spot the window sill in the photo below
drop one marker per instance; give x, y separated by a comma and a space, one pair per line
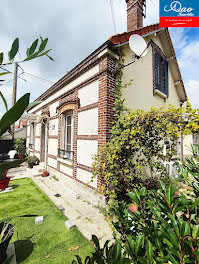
65, 161
161, 94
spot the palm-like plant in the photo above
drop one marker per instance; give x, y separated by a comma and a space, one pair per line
189, 170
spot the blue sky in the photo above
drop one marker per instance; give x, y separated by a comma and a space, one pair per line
75, 29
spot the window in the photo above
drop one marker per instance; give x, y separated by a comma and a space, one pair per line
161, 74
67, 136
32, 133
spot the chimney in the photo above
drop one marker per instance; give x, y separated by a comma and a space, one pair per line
135, 13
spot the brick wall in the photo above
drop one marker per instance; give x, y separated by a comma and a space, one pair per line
106, 101
134, 14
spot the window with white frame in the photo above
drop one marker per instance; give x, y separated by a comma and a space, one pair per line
66, 150
32, 133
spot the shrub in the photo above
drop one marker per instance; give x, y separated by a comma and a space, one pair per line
161, 227
20, 146
135, 151
33, 160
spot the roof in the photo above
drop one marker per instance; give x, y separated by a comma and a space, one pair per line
111, 43
124, 37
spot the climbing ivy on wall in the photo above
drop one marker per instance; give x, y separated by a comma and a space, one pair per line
135, 151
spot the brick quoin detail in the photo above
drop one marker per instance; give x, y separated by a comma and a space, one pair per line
106, 101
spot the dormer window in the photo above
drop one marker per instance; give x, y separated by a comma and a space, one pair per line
161, 74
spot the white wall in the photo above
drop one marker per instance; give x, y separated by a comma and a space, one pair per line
66, 169
53, 108
68, 87
139, 95
53, 127
88, 122
187, 141
28, 130
85, 151
37, 155
52, 146
38, 130
86, 176
89, 94
37, 144
52, 162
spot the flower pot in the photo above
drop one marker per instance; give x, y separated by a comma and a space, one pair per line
21, 156
4, 245
4, 184
45, 173
30, 165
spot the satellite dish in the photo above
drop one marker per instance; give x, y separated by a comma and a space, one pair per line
138, 45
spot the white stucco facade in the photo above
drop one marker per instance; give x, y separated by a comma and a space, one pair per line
88, 122
85, 150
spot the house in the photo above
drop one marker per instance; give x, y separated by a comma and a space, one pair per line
75, 117
20, 131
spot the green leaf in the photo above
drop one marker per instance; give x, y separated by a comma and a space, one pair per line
167, 242
96, 241
138, 243
162, 185
143, 192
195, 231
14, 113
27, 52
49, 57
187, 229
4, 73
1, 57
44, 53
33, 56
117, 250
169, 194
149, 250
43, 45
196, 203
32, 47
78, 259
133, 197
4, 101
11, 164
14, 49
175, 224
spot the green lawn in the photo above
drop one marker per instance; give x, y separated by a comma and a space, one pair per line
47, 242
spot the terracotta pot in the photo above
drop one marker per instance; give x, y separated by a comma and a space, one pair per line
4, 184
45, 173
21, 156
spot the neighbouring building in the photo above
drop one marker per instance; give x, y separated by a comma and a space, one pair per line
75, 117
20, 131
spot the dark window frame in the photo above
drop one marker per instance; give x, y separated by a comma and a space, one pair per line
160, 71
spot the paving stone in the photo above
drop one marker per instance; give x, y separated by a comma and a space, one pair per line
69, 224
9, 189
39, 219
60, 207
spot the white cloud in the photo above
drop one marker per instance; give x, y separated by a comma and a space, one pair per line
192, 88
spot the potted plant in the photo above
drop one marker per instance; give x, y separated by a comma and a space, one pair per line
5, 237
45, 173
33, 160
6, 233
4, 180
20, 147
